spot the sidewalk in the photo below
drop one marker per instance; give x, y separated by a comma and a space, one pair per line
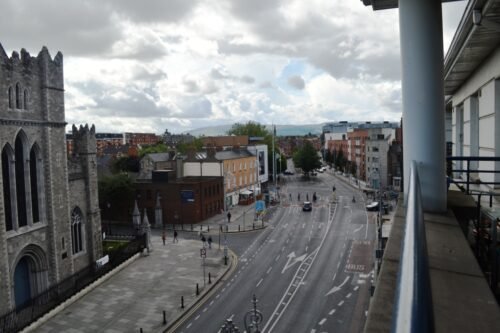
136, 296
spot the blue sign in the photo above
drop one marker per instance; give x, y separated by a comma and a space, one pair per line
260, 205
187, 196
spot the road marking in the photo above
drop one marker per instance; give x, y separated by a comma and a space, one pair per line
218, 295
211, 303
197, 317
258, 283
356, 288
307, 248
223, 290
292, 257
340, 303
322, 321
335, 289
189, 325
205, 309
331, 312
313, 331
303, 225
348, 295
358, 229
269, 269
278, 257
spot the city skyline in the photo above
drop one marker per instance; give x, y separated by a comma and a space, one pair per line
182, 65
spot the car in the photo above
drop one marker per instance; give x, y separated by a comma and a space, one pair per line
322, 169
372, 207
313, 173
288, 172
307, 206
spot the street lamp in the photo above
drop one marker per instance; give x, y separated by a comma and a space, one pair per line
109, 215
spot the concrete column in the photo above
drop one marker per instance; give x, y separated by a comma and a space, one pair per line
423, 98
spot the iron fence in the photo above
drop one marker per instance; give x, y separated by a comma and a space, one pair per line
26, 313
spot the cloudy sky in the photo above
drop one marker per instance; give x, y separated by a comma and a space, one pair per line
153, 65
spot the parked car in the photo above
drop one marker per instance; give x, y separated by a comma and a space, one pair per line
372, 207
287, 172
307, 206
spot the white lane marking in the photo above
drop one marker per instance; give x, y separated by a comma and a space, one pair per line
292, 257
278, 257
211, 303
258, 283
341, 302
217, 296
269, 269
335, 289
348, 295
356, 288
205, 309
331, 312
197, 317
358, 229
307, 247
322, 321
223, 289
189, 325
313, 331
303, 225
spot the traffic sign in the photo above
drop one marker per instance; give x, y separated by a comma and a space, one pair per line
203, 253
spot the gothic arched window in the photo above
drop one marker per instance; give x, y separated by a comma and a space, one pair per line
25, 96
34, 166
10, 98
7, 200
77, 230
20, 182
18, 96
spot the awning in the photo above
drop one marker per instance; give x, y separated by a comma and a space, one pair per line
246, 192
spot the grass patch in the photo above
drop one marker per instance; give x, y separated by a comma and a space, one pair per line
110, 246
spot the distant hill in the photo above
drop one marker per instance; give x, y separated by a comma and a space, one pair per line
281, 130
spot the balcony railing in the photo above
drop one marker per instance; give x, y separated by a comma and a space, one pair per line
413, 299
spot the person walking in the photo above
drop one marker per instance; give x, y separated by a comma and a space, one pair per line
163, 237
203, 240
228, 217
175, 237
209, 242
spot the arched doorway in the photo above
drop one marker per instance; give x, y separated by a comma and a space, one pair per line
30, 275
22, 284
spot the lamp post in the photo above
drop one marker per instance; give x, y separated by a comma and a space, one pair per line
108, 228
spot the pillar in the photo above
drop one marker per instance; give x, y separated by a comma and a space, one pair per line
421, 35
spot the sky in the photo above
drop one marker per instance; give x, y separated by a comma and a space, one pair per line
178, 65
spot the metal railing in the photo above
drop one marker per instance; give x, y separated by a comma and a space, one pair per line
465, 184
413, 301
25, 314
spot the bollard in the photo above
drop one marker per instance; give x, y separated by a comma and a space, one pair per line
209, 278
238, 228
225, 260
227, 228
164, 317
140, 330
253, 226
201, 228
208, 228
182, 302
197, 290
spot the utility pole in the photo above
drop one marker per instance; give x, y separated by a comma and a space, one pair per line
274, 160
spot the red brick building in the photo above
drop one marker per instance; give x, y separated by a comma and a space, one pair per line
186, 200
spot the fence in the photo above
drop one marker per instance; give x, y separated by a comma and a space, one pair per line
24, 314
413, 303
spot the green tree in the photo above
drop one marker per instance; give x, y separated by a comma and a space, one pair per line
195, 145
329, 157
116, 194
307, 158
151, 149
125, 164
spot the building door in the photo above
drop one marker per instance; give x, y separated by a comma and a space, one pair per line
22, 287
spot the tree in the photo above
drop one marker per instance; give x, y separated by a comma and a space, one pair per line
251, 128
329, 157
184, 147
307, 158
125, 164
151, 149
116, 193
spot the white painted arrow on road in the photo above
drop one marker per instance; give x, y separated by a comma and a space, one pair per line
292, 258
335, 289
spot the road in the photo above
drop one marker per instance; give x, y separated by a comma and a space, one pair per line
310, 271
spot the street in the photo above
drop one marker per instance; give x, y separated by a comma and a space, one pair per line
310, 271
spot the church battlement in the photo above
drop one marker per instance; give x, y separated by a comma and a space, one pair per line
26, 81
84, 141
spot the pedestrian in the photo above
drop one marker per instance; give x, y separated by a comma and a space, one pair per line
298, 197
175, 236
163, 237
203, 240
209, 242
290, 196
228, 217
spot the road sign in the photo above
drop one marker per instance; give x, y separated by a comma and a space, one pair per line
203, 253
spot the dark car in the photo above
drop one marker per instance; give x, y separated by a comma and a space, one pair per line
307, 206
288, 172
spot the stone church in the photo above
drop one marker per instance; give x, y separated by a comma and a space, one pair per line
50, 225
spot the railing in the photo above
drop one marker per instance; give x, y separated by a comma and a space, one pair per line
36, 307
413, 301
468, 171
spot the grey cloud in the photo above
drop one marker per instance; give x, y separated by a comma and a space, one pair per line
265, 85
141, 73
216, 74
73, 27
197, 108
297, 82
153, 10
191, 86
247, 79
